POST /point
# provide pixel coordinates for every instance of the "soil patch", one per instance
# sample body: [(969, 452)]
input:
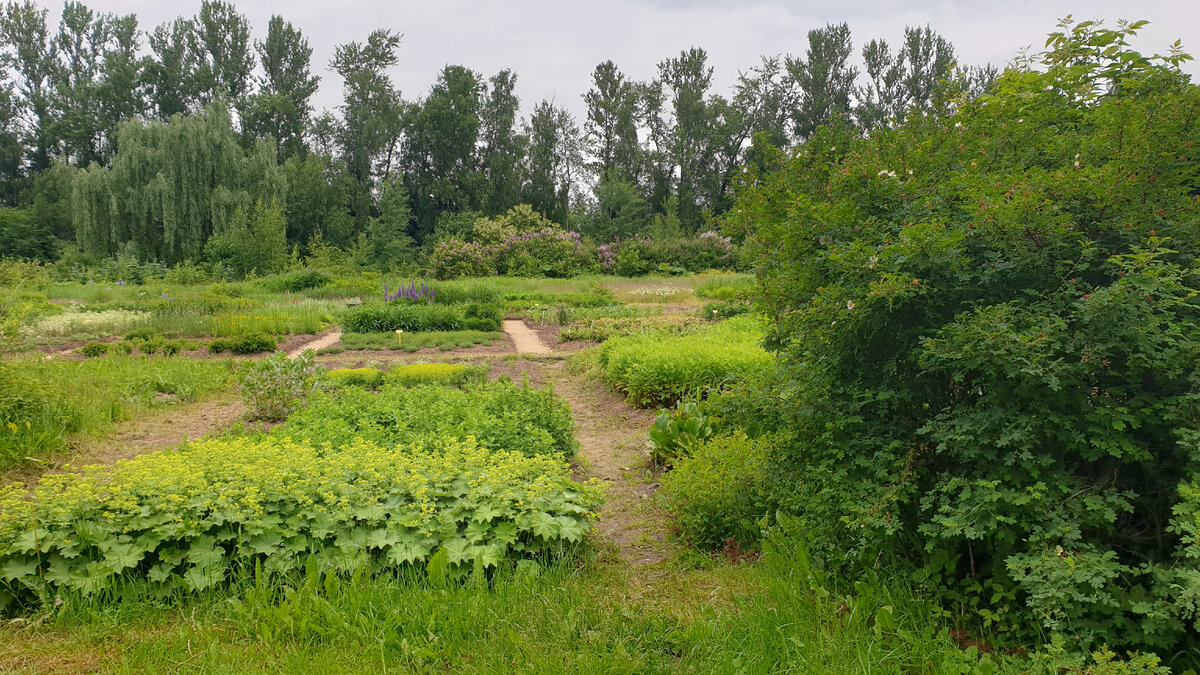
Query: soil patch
[(326, 338), (548, 332)]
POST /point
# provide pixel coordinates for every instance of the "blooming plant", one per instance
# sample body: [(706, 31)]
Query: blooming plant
[(276, 386)]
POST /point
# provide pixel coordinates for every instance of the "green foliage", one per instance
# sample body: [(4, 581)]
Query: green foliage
[(43, 402), (989, 322), (449, 374), (454, 258), (725, 287), (411, 342), (94, 349), (660, 368), (355, 377), (596, 296), (395, 316), (254, 242), (22, 237), (717, 311), (677, 433), (501, 416), (276, 386), (187, 520), (295, 282), (717, 491), (250, 343), (603, 328)]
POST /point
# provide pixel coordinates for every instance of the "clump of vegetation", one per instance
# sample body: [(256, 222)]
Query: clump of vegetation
[(660, 369), (94, 349), (725, 287), (394, 316), (451, 374), (994, 375), (717, 311), (294, 282), (603, 328), (676, 433), (216, 507), (501, 416), (355, 377), (411, 342), (252, 343), (276, 386)]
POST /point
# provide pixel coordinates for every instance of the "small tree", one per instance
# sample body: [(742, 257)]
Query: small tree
[(255, 242)]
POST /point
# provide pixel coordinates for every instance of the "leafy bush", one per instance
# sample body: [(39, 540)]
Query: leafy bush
[(549, 252), (276, 386), (451, 374), (502, 416), (676, 433), (991, 326), (120, 348), (294, 282), (453, 258), (718, 491), (355, 377), (94, 349), (252, 343), (189, 519), (643, 255), (659, 368)]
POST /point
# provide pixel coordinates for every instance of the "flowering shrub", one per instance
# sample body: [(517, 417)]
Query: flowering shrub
[(548, 252), (453, 258), (276, 386), (641, 255), (186, 520)]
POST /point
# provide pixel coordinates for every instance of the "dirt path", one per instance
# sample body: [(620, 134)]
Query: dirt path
[(525, 340), (326, 339), (151, 430), (612, 436)]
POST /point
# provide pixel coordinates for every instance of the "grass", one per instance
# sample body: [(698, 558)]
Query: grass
[(411, 342), (771, 616), (50, 401)]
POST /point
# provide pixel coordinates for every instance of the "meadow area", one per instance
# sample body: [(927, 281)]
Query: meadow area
[(909, 387), (535, 475)]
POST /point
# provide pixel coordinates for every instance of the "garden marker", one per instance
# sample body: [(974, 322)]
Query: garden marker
[(398, 332)]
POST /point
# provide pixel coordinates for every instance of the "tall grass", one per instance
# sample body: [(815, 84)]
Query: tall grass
[(411, 342), (44, 402)]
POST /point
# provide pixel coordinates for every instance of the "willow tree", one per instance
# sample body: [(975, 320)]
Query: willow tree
[(172, 186)]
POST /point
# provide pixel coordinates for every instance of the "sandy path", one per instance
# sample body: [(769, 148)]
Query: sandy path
[(525, 340), (322, 341), (612, 438)]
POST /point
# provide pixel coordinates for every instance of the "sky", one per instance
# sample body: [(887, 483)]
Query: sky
[(553, 45)]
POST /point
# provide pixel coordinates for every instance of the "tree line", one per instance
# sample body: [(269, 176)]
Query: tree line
[(150, 142)]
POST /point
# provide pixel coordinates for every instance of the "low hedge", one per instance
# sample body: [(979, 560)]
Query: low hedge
[(405, 316)]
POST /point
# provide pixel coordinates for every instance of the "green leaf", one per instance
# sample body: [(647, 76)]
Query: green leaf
[(16, 568)]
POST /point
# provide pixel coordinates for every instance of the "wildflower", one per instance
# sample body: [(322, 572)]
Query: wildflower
[(849, 304)]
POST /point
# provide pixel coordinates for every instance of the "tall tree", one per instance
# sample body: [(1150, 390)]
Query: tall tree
[(80, 44), (915, 78), (687, 80), (173, 72), (282, 107), (224, 35), (611, 126), (823, 79), (553, 161), (11, 150), (503, 147), (27, 57), (120, 92), (441, 170), (371, 112)]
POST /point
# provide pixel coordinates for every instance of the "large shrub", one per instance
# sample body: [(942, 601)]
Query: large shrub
[(991, 340), (454, 258), (548, 252)]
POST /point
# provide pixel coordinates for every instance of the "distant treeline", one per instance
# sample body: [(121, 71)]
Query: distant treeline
[(151, 143)]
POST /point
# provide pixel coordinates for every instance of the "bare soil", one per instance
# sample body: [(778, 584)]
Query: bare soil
[(326, 338)]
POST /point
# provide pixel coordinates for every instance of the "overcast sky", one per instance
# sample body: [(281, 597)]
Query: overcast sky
[(553, 45)]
